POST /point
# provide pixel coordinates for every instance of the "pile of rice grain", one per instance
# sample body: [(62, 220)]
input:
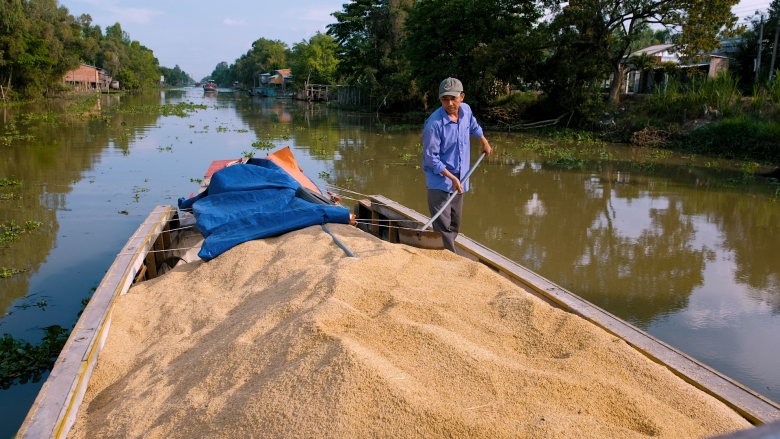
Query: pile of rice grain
[(288, 337)]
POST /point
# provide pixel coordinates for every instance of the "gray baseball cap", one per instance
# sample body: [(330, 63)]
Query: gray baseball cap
[(450, 87)]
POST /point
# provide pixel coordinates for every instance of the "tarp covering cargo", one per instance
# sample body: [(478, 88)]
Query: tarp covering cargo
[(254, 200)]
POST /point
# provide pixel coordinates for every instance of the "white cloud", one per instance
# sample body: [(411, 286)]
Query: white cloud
[(231, 22)]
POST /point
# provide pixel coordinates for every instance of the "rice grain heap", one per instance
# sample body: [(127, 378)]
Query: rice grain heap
[(286, 337)]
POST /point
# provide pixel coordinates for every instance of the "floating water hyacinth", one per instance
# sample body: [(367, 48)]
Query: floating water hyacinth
[(8, 272)]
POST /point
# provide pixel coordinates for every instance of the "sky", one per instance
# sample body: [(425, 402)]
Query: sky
[(196, 35)]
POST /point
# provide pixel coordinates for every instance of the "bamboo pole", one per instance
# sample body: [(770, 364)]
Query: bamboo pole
[(2, 91)]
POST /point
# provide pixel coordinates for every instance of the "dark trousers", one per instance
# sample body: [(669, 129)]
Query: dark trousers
[(448, 223)]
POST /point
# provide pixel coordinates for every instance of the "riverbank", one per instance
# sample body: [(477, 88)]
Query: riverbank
[(710, 118), (740, 128)]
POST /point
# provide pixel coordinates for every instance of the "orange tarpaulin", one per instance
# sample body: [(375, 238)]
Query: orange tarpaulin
[(286, 160)]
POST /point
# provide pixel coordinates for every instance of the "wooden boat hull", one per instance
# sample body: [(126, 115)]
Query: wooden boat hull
[(160, 236)]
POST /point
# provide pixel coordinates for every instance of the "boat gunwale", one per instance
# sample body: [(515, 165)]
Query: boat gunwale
[(54, 410)]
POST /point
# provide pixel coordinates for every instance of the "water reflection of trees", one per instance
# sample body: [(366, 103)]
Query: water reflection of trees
[(751, 231), (58, 156), (575, 241)]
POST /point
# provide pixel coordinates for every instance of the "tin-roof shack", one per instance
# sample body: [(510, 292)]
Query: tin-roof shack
[(635, 82), (274, 85)]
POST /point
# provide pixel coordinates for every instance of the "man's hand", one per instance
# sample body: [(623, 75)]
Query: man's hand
[(486, 146), (456, 184)]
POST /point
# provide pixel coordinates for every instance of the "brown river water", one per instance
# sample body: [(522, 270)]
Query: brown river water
[(684, 247)]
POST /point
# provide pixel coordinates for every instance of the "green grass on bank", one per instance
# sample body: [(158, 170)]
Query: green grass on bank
[(708, 116), (735, 137)]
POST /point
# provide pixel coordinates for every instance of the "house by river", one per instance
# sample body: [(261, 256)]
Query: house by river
[(87, 77)]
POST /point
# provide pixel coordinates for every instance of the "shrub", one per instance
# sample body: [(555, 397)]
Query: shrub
[(740, 137)]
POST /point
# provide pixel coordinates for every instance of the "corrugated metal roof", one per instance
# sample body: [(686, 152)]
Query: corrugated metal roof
[(652, 50)]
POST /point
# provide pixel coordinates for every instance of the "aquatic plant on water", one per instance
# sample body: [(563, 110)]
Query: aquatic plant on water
[(10, 231), (263, 144), (180, 109), (8, 272), (22, 362), (9, 182)]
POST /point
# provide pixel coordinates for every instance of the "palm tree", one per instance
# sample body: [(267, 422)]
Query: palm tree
[(643, 62)]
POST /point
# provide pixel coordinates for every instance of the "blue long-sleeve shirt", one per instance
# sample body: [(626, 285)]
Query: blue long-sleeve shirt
[(446, 145)]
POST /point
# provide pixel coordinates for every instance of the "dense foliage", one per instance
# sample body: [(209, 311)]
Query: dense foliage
[(488, 44), (315, 61), (743, 59), (606, 30), (370, 34), (176, 76), (40, 41), (265, 56)]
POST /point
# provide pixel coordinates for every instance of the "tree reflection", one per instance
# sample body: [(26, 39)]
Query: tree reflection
[(62, 150), (751, 231)]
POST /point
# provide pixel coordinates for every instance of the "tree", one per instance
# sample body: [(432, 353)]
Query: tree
[(265, 56), (646, 37), (743, 58), (487, 44), (370, 35), (315, 61), (90, 38), (176, 76), (40, 42), (221, 74), (570, 75), (611, 26), (37, 45), (643, 62)]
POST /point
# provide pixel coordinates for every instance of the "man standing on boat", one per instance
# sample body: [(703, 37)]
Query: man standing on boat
[(446, 157)]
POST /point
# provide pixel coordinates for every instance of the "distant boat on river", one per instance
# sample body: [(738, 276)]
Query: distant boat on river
[(210, 86)]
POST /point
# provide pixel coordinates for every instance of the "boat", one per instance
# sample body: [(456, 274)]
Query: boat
[(166, 239), (210, 86)]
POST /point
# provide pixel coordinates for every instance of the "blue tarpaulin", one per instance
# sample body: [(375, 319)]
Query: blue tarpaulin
[(252, 201)]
